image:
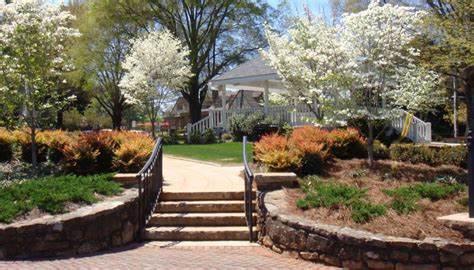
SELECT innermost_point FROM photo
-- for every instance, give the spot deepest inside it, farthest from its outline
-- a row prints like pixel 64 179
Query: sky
pixel 317 6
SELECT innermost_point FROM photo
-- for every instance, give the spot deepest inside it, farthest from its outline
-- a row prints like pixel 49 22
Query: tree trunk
pixel 34 150
pixel 194 109
pixel 153 128
pixel 469 85
pixel 370 143
pixel 117 119
pixel 60 119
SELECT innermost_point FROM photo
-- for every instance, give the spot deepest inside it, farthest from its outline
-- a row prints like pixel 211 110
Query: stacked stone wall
pixel 353 249
pixel 110 223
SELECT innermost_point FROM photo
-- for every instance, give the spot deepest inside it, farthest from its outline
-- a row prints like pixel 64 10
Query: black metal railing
pixel 248 195
pixel 150 183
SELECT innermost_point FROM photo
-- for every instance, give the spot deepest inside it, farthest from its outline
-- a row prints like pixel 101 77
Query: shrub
pixel 226 136
pixel 6 145
pixel 347 144
pixel 51 194
pixel 56 140
pixel 131 155
pixel 404 201
pixel 24 140
pixel 456 155
pixel 241 125
pixel 238 127
pixel 405 198
pixel 172 138
pixel 314 146
pixel 80 157
pixel 328 194
pixel 272 150
pixel 363 212
pixel 412 154
pixel 437 191
pixel 104 144
pixel 209 136
pixel 332 195
pixel 380 150
pixel 195 138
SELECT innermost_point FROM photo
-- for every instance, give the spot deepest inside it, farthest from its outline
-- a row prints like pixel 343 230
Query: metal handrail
pixel 248 176
pixel 150 183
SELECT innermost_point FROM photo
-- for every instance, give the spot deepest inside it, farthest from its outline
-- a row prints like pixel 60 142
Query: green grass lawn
pixel 51 194
pixel 222 153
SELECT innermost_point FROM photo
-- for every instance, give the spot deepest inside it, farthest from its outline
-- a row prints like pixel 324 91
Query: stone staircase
pixel 199 216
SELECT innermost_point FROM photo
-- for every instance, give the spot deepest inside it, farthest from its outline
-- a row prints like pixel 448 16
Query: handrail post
pixel 248 175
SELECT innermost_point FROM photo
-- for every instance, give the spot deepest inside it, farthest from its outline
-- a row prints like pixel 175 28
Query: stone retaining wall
pixel 349 248
pixel 109 223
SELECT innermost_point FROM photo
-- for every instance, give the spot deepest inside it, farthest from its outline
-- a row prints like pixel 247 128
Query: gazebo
pixel 257 75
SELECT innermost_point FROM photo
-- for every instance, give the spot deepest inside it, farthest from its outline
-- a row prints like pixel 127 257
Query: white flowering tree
pixel 363 68
pixel 385 74
pixel 311 63
pixel 32 38
pixel 156 69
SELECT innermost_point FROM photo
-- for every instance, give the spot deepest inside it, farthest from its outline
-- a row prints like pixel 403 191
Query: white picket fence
pixel 296 115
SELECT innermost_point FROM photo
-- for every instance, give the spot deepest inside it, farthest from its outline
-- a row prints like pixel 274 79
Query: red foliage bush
pixel 347 143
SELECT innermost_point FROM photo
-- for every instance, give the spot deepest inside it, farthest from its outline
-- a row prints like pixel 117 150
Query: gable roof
pixel 253 70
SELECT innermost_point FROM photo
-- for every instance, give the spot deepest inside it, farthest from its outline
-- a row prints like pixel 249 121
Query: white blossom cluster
pixel 363 67
pixel 156 61
pixel 32 39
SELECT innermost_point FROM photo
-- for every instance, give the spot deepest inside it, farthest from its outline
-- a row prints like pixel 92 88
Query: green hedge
pixel 415 154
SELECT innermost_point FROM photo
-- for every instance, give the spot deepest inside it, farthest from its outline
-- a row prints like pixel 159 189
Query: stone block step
pixel 217 243
pixel 199 219
pixel 201 206
pixel 196 233
pixel 203 196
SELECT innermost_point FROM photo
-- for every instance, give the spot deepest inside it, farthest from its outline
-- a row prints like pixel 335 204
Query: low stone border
pixel 349 248
pixel 109 223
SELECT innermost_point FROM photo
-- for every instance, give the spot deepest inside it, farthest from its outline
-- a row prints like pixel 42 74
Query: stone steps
pixel 199 216
pixel 199 219
pixel 220 206
pixel 203 196
pixel 196 233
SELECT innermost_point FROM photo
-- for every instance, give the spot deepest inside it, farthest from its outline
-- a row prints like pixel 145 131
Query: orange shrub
pixel 79 157
pixel 132 154
pixel 105 144
pixel 272 150
pixel 23 138
pixel 347 143
pixel 56 140
pixel 314 146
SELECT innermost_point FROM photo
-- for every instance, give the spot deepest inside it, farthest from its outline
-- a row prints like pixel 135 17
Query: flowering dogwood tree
pixel 363 68
pixel 32 38
pixel 157 68
pixel 385 74
pixel 311 62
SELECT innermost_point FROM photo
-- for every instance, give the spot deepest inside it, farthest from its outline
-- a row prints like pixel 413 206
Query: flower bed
pixel 392 198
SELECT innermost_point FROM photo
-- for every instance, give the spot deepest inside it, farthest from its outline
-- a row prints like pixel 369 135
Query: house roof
pixel 251 68
pixel 251 73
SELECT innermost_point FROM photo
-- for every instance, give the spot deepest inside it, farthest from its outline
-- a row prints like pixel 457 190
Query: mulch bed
pixel 388 174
